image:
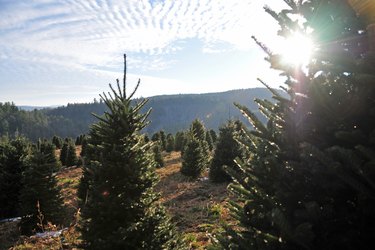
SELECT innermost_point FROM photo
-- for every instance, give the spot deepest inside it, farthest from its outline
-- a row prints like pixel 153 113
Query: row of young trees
pixel 303 180
pixel 28 184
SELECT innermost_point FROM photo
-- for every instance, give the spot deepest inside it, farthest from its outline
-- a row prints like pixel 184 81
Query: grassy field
pixel 197 209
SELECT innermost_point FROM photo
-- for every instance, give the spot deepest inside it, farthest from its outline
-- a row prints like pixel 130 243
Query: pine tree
pixel 213 136
pixel 57 141
pixel 71 156
pixel 157 155
pixel 170 143
pixel 307 180
pixel 196 153
pixel 179 141
pixel 40 195
pixel 122 210
pixel 209 141
pixel 198 129
pixel 64 153
pixel 163 140
pixel 12 154
pixel 226 151
pixel 194 159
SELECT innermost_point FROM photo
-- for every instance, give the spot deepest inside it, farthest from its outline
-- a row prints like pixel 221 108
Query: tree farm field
pixel 196 207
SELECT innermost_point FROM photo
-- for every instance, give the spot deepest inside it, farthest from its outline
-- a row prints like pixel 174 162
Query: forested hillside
pixel 170 113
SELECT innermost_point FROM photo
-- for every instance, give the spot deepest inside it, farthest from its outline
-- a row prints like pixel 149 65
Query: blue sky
pixel 53 52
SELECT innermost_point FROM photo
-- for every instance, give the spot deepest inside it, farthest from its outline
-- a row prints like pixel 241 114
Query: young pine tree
pixel 71 156
pixel 122 209
pixel 170 143
pixel 179 141
pixel 226 151
pixel 157 155
pixel 308 180
pixel 40 197
pixel 209 141
pixel 12 154
pixel 64 153
pixel 196 153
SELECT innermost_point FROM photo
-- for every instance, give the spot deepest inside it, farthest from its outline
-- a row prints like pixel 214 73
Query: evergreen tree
pixel 84 147
pixel 146 138
pixel 157 155
pixel 163 140
pixel 64 153
pixel 226 151
pixel 198 129
pixel 170 143
pixel 122 210
pixel 12 154
pixel 156 137
pixel 213 136
pixel 194 159
pixel 40 197
pixel 209 141
pixel 179 141
pixel 57 141
pixel 307 182
pixel 196 154
pixel 71 156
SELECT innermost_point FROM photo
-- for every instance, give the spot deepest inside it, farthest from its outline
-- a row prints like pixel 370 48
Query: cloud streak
pixel 94 32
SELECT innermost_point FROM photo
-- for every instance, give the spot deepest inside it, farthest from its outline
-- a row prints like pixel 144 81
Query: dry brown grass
pixel 197 207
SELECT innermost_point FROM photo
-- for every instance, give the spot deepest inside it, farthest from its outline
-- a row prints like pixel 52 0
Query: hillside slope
pixel 170 113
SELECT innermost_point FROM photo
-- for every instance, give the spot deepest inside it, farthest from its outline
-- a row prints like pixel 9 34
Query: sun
pixel 296 50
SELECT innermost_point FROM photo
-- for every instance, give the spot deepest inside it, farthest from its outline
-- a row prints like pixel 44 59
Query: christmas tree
pixel 307 179
pixel 40 197
pixel 122 209
pixel 196 155
pixel 227 150
pixel 12 154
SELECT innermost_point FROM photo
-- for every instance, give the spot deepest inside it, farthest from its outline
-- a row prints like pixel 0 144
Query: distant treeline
pixel 170 113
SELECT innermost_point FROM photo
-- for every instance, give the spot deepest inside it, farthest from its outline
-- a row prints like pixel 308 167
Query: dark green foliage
pixel 84 147
pixel 198 129
pixel 75 119
pixel 71 156
pixel 163 140
pixel 12 154
pixel 213 135
pixel 226 151
pixel 308 179
pixel 146 138
pixel 194 158
pixel 79 140
pixel 209 141
pixel 196 155
pixel 179 141
pixel 122 209
pixel 157 155
pixel 57 141
pixel 170 143
pixel 64 153
pixel 40 189
pixel 156 137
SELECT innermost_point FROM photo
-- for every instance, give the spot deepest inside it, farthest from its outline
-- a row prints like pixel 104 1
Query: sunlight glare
pixel 296 50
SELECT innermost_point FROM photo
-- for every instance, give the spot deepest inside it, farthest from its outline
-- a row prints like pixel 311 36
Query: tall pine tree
pixel 308 179
pixel 122 210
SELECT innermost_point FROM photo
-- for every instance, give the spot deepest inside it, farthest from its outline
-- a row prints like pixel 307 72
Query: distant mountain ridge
pixel 170 113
